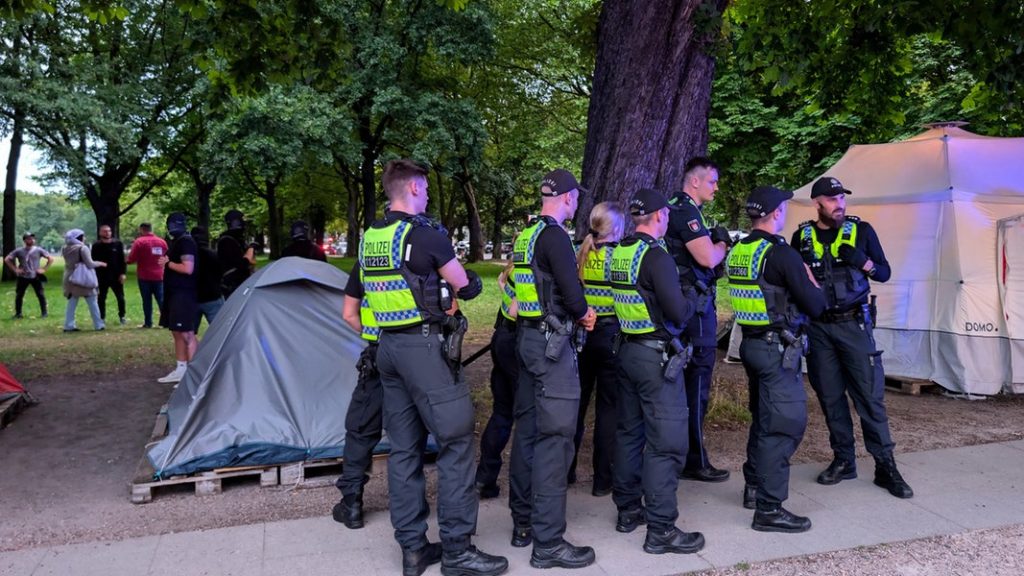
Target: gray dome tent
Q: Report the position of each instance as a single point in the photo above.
(272, 378)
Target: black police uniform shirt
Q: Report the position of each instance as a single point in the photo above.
(553, 253)
(685, 224)
(784, 267)
(867, 240)
(658, 274)
(427, 250)
(181, 246)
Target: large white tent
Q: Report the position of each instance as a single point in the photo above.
(948, 206)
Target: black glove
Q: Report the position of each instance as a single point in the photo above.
(720, 234)
(853, 255)
(473, 289)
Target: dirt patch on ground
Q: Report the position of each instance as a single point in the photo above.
(68, 460)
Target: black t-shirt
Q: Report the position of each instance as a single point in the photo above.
(867, 240)
(427, 250)
(208, 274)
(113, 254)
(554, 254)
(686, 223)
(231, 254)
(304, 249)
(784, 267)
(658, 275)
(182, 246)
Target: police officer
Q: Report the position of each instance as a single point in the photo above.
(598, 365)
(651, 436)
(844, 253)
(504, 375)
(363, 422)
(402, 262)
(551, 301)
(301, 245)
(772, 292)
(697, 251)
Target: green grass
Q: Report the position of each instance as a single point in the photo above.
(38, 346)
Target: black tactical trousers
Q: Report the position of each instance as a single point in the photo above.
(547, 401)
(778, 406)
(504, 376)
(843, 361)
(651, 437)
(110, 285)
(701, 332)
(599, 372)
(422, 395)
(363, 425)
(21, 285)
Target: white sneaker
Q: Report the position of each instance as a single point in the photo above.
(175, 376)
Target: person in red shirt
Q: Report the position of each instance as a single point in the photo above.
(145, 254)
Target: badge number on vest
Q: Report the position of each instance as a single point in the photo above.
(739, 265)
(619, 275)
(377, 254)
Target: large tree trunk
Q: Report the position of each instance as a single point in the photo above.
(11, 188)
(352, 212)
(104, 197)
(317, 223)
(649, 105)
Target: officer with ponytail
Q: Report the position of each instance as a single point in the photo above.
(597, 362)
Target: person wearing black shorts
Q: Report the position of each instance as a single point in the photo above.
(180, 299)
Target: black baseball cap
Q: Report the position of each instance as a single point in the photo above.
(828, 186)
(763, 200)
(300, 229)
(27, 235)
(648, 201)
(558, 182)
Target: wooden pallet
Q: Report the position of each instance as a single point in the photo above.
(305, 474)
(907, 385)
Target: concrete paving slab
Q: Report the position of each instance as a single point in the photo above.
(972, 510)
(99, 558)
(317, 535)
(354, 561)
(226, 551)
(21, 562)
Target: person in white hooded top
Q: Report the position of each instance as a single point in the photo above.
(76, 252)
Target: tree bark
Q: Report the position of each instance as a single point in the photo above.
(104, 197)
(274, 224)
(352, 233)
(317, 223)
(476, 236)
(11, 189)
(649, 106)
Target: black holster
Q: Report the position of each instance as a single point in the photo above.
(455, 328)
(679, 360)
(367, 363)
(795, 349)
(558, 335)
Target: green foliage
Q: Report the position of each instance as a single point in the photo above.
(49, 216)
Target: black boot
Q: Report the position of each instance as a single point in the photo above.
(349, 511)
(522, 535)
(673, 540)
(707, 474)
(749, 496)
(888, 477)
(838, 471)
(472, 562)
(775, 518)
(562, 555)
(487, 491)
(415, 562)
(628, 520)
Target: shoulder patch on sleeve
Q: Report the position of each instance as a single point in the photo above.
(806, 223)
(693, 225)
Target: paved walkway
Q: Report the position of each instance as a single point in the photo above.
(956, 490)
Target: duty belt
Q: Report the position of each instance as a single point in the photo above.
(833, 317)
(652, 343)
(425, 329)
(505, 323)
(538, 324)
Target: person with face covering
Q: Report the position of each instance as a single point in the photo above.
(76, 252)
(237, 258)
(180, 294)
(844, 254)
